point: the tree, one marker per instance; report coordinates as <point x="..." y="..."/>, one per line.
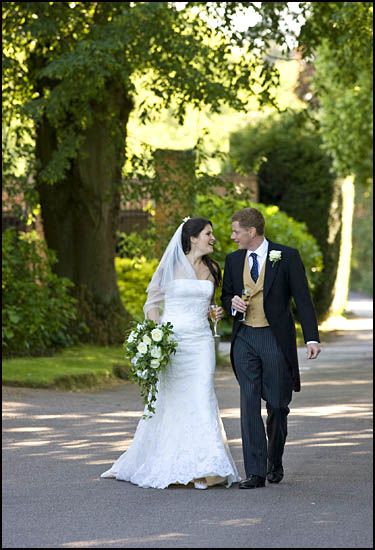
<point x="69" y="70"/>
<point x="295" y="173"/>
<point x="69" y="88"/>
<point x="361" y="275"/>
<point x="338" y="37"/>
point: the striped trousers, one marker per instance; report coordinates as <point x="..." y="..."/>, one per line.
<point x="263" y="373"/>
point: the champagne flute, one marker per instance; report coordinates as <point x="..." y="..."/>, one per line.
<point x="245" y="295"/>
<point x="213" y="310"/>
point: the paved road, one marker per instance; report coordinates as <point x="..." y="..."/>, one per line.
<point x="56" y="444"/>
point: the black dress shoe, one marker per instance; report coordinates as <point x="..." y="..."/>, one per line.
<point x="275" y="474"/>
<point x="252" y="482"/>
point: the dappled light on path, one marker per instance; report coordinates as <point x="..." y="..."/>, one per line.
<point x="342" y="323"/>
<point x="56" y="445"/>
<point x="335" y="411"/>
<point x="103" y="543"/>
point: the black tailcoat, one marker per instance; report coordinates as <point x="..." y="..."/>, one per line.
<point x="284" y="280"/>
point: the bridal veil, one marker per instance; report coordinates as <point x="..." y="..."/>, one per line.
<point x="173" y="265"/>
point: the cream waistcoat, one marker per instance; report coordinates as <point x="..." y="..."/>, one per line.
<point x="255" y="316"/>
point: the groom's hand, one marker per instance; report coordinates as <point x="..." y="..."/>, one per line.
<point x="312" y="351"/>
<point x="238" y="304"/>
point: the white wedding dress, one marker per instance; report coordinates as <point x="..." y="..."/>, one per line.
<point x="185" y="438"/>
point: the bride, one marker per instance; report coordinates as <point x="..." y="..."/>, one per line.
<point x="184" y="441"/>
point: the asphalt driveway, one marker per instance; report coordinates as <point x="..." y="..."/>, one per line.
<point x="56" y="445"/>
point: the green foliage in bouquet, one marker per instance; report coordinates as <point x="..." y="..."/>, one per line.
<point x="149" y="347"/>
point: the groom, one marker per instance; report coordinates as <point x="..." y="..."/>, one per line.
<point x="264" y="350"/>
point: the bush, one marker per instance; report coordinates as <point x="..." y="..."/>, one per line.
<point x="138" y="243"/>
<point x="279" y="228"/>
<point x="295" y="173"/>
<point x="361" y="276"/>
<point x="38" y="311"/>
<point x="133" y="277"/>
<point x="134" y="274"/>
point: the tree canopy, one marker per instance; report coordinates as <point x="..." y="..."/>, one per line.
<point x="69" y="72"/>
<point x="338" y="38"/>
<point x="69" y="85"/>
<point x="60" y="58"/>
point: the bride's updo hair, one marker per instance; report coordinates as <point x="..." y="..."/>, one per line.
<point x="192" y="228"/>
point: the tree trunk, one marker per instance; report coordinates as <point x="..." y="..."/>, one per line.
<point x="341" y="288"/>
<point x="80" y="216"/>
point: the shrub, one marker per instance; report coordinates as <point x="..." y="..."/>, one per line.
<point x="134" y="274"/>
<point x="38" y="311"/>
<point x="279" y="228"/>
<point x="361" y="276"/>
<point x="133" y="277"/>
<point x="296" y="173"/>
<point x="138" y="243"/>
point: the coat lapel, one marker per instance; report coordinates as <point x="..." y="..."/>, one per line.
<point x="239" y="270"/>
<point x="270" y="272"/>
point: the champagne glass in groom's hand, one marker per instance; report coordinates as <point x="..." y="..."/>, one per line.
<point x="246" y="298"/>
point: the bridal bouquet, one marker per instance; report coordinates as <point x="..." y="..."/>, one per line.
<point x="149" y="347"/>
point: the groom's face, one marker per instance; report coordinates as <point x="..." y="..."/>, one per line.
<point x="243" y="237"/>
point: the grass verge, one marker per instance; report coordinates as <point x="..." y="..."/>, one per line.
<point x="77" y="368"/>
<point x="85" y="367"/>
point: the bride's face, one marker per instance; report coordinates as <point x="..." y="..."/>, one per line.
<point x="204" y="243"/>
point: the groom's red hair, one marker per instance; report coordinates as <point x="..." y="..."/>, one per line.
<point x="250" y="217"/>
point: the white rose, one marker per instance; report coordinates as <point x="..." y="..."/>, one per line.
<point x="142" y="374"/>
<point x="275" y="255"/>
<point x="134" y="361"/>
<point x="131" y="336"/>
<point x="156" y="334"/>
<point x="142" y="348"/>
<point x="155" y="363"/>
<point x="156" y="352"/>
<point x="147" y="340"/>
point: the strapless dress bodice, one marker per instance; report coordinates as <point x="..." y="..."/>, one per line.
<point x="186" y="304"/>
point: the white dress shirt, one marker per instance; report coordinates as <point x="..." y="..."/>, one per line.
<point x="261" y="253"/>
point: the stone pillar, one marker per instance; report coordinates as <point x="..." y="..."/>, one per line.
<point x="175" y="174"/>
<point x="243" y="183"/>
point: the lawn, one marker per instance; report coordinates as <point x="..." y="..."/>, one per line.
<point x="75" y="368"/>
<point x="82" y="367"/>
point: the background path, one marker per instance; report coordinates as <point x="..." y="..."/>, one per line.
<point x="56" y="445"/>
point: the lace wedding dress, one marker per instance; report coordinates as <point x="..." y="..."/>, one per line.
<point x="185" y="438"/>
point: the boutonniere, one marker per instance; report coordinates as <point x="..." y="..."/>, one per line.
<point x="274" y="256"/>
